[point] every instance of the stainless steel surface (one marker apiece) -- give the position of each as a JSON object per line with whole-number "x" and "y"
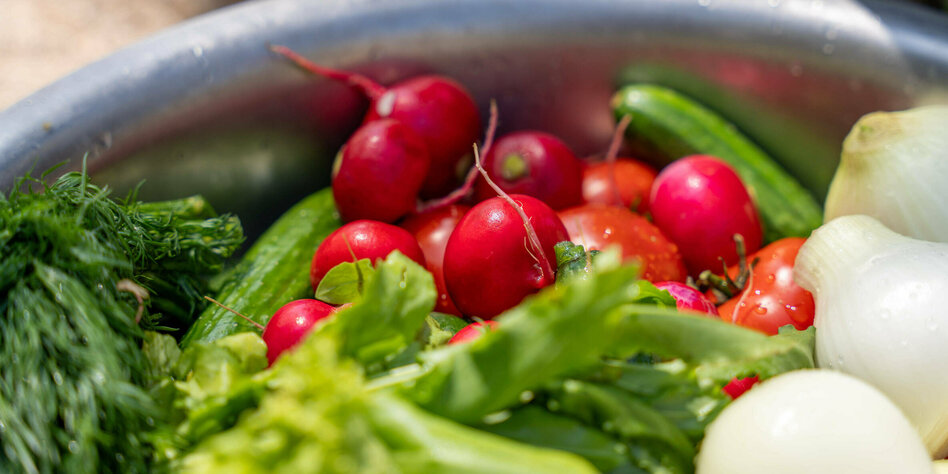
{"x": 204, "y": 107}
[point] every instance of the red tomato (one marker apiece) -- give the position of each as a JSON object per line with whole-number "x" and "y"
{"x": 473, "y": 331}
{"x": 596, "y": 226}
{"x": 633, "y": 178}
{"x": 738, "y": 386}
{"x": 699, "y": 202}
{"x": 771, "y": 299}
{"x": 432, "y": 230}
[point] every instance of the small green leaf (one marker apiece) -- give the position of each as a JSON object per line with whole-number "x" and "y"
{"x": 345, "y": 282}
{"x": 398, "y": 295}
{"x": 439, "y": 328}
{"x": 572, "y": 260}
{"x": 161, "y": 353}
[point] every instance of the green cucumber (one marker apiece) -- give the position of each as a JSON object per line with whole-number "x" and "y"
{"x": 676, "y": 126}
{"x": 274, "y": 271}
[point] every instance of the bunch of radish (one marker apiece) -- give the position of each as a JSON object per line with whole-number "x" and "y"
{"x": 404, "y": 181}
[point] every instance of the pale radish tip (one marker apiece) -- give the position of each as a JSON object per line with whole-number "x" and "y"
{"x": 218, "y": 303}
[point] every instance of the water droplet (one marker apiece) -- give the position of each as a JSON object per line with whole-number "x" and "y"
{"x": 73, "y": 446}
{"x": 760, "y": 310}
{"x": 526, "y": 396}
{"x": 57, "y": 378}
{"x": 197, "y": 51}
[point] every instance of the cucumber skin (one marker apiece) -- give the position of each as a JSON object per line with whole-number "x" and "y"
{"x": 676, "y": 126}
{"x": 274, "y": 271}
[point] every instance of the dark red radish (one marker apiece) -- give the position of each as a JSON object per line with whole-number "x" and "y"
{"x": 360, "y": 239}
{"x": 432, "y": 230}
{"x": 490, "y": 264}
{"x": 688, "y": 298}
{"x": 627, "y": 182}
{"x": 291, "y": 323}
{"x": 699, "y": 202}
{"x": 379, "y": 171}
{"x": 597, "y": 226}
{"x": 536, "y": 164}
{"x": 473, "y": 331}
{"x": 438, "y": 109}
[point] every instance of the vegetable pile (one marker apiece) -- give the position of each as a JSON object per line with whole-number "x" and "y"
{"x": 502, "y": 306}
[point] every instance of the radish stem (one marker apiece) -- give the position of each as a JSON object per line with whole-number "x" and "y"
{"x": 546, "y": 268}
{"x": 370, "y": 88}
{"x": 218, "y": 303}
{"x": 465, "y": 190}
{"x": 613, "y": 152}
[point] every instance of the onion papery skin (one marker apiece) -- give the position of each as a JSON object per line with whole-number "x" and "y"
{"x": 894, "y": 167}
{"x": 881, "y": 315}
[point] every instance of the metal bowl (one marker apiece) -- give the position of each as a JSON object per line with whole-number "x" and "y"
{"x": 204, "y": 107}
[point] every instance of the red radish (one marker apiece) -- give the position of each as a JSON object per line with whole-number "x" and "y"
{"x": 700, "y": 203}
{"x": 432, "y": 230}
{"x": 738, "y": 386}
{"x": 596, "y": 226}
{"x": 632, "y": 178}
{"x": 536, "y": 164}
{"x": 379, "y": 171}
{"x": 360, "y": 239}
{"x": 291, "y": 323}
{"x": 438, "y": 109}
{"x": 473, "y": 331}
{"x": 489, "y": 265}
{"x": 688, "y": 298}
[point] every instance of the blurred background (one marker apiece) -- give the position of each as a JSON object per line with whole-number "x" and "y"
{"x": 43, "y": 40}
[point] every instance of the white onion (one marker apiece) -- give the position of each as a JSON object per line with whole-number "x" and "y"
{"x": 815, "y": 422}
{"x": 881, "y": 315}
{"x": 894, "y": 167}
